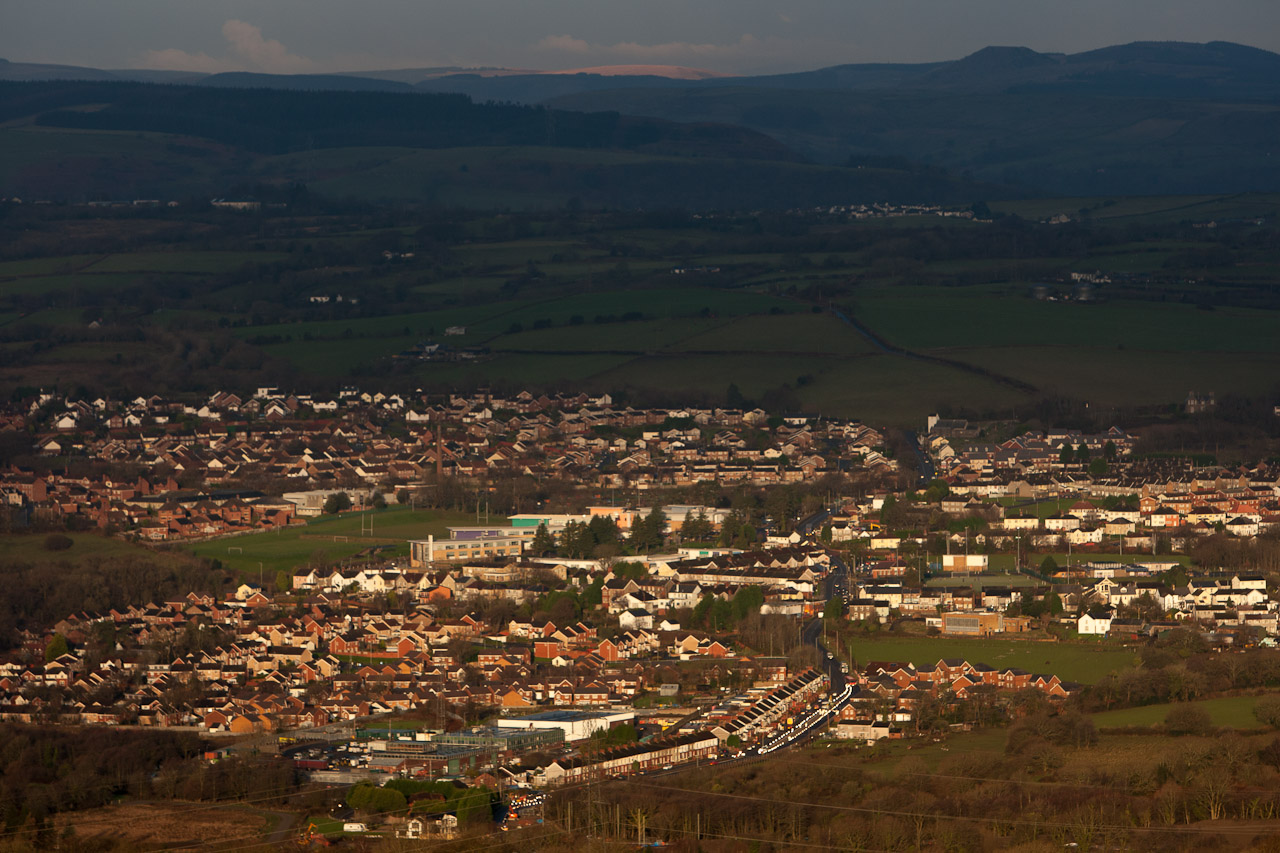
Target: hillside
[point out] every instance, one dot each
(79, 141)
(1145, 118)
(1137, 119)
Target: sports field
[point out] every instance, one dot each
(328, 539)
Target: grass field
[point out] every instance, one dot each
(896, 390)
(58, 283)
(334, 537)
(1018, 508)
(29, 548)
(1235, 712)
(712, 374)
(523, 368)
(641, 336)
(1068, 661)
(181, 261)
(325, 825)
(934, 319)
(337, 358)
(798, 333)
(691, 338)
(45, 266)
(1148, 208)
(421, 325)
(1112, 376)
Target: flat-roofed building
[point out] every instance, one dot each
(426, 552)
(576, 725)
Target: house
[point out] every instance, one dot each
(1095, 623)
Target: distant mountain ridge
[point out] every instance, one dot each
(1146, 118)
(1223, 70)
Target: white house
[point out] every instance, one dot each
(1088, 624)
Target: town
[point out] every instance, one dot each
(599, 628)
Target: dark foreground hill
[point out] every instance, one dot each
(1143, 119)
(87, 140)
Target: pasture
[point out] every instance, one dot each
(930, 319)
(1232, 712)
(581, 370)
(792, 333)
(546, 296)
(893, 389)
(639, 336)
(182, 261)
(1172, 208)
(1123, 375)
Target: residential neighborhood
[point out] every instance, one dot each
(588, 638)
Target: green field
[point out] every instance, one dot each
(86, 547)
(1234, 712)
(56, 283)
(933, 319)
(712, 374)
(45, 266)
(640, 336)
(1068, 661)
(1147, 208)
(182, 261)
(796, 333)
(1018, 507)
(1113, 376)
(526, 369)
(543, 296)
(327, 539)
(897, 390)
(422, 325)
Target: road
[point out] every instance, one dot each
(927, 473)
(839, 690)
(813, 522)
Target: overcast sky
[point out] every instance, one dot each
(730, 36)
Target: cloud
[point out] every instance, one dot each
(246, 41)
(248, 51)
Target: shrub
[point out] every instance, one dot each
(57, 542)
(1267, 710)
(1188, 720)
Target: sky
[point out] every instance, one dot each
(726, 36)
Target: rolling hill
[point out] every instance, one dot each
(101, 140)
